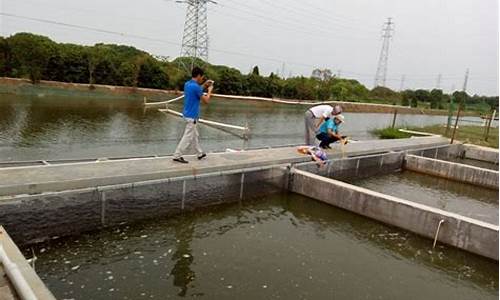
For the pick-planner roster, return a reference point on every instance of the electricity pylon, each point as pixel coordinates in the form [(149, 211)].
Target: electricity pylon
[(381, 74), (195, 37)]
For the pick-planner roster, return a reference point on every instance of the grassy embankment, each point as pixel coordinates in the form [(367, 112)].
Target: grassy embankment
[(467, 134)]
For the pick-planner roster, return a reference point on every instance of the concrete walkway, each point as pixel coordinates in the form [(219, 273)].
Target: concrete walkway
[(38, 179)]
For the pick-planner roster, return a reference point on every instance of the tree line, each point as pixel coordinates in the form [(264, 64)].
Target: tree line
[(26, 55)]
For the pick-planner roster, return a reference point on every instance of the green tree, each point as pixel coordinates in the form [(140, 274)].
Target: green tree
[(460, 97), (151, 75), (231, 82), (405, 99), (436, 97), (30, 55), (255, 71), (256, 86), (5, 69), (409, 98), (274, 86), (384, 93), (423, 96)]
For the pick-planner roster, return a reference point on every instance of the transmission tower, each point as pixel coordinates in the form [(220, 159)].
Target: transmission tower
[(465, 80), (195, 37), (438, 81), (381, 74)]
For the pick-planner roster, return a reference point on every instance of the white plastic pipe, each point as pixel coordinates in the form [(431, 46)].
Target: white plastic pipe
[(163, 102), (275, 100), (203, 121), (16, 277)]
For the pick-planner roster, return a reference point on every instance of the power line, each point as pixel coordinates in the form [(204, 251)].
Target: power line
[(276, 60), (322, 21), (287, 24), (328, 14)]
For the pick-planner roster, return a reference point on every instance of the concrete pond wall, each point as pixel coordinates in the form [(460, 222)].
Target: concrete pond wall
[(463, 151), (458, 231), (453, 171), (35, 218), (38, 217)]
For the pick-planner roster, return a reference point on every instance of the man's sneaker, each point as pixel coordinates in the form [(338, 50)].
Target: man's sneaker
[(180, 160), (202, 156)]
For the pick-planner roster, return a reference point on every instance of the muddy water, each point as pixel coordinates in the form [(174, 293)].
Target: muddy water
[(280, 247), (465, 199), (63, 128)]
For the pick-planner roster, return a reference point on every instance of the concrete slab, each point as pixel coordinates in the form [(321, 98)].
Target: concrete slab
[(481, 153), (39, 217), (39, 179), (453, 171), (462, 232)]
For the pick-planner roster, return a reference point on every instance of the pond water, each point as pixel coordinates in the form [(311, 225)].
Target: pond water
[(47, 128), (464, 199), (280, 247)]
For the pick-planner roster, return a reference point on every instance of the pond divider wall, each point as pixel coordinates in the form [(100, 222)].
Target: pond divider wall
[(456, 230), (38, 217), (357, 167), (453, 171), (35, 218), (466, 151), (480, 153)]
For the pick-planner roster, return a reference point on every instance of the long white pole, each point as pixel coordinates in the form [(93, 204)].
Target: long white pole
[(203, 121), (16, 277)]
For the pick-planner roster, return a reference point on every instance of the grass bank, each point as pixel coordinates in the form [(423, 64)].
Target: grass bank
[(467, 134)]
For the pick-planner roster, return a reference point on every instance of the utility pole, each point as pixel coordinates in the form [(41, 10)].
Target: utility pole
[(195, 37), (438, 81), (381, 74), (283, 70), (402, 85)]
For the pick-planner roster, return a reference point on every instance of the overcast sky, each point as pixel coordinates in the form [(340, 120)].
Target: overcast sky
[(431, 36)]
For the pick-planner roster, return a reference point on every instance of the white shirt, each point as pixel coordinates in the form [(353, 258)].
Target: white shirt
[(321, 111)]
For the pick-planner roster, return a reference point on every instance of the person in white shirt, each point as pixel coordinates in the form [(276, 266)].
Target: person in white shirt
[(314, 117)]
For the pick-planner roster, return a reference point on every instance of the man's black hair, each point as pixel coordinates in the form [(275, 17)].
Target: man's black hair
[(197, 71)]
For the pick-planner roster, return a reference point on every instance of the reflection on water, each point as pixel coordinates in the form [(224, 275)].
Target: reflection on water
[(464, 199), (183, 258), (58, 128), (283, 246)]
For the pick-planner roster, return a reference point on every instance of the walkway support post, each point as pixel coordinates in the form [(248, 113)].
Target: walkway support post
[(450, 115), (456, 123), (492, 117), (394, 117)]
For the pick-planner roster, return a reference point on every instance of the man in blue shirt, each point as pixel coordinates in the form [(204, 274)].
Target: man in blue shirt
[(329, 131), (193, 94)]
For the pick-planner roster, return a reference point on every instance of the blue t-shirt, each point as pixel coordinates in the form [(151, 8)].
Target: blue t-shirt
[(192, 96), (328, 124)]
